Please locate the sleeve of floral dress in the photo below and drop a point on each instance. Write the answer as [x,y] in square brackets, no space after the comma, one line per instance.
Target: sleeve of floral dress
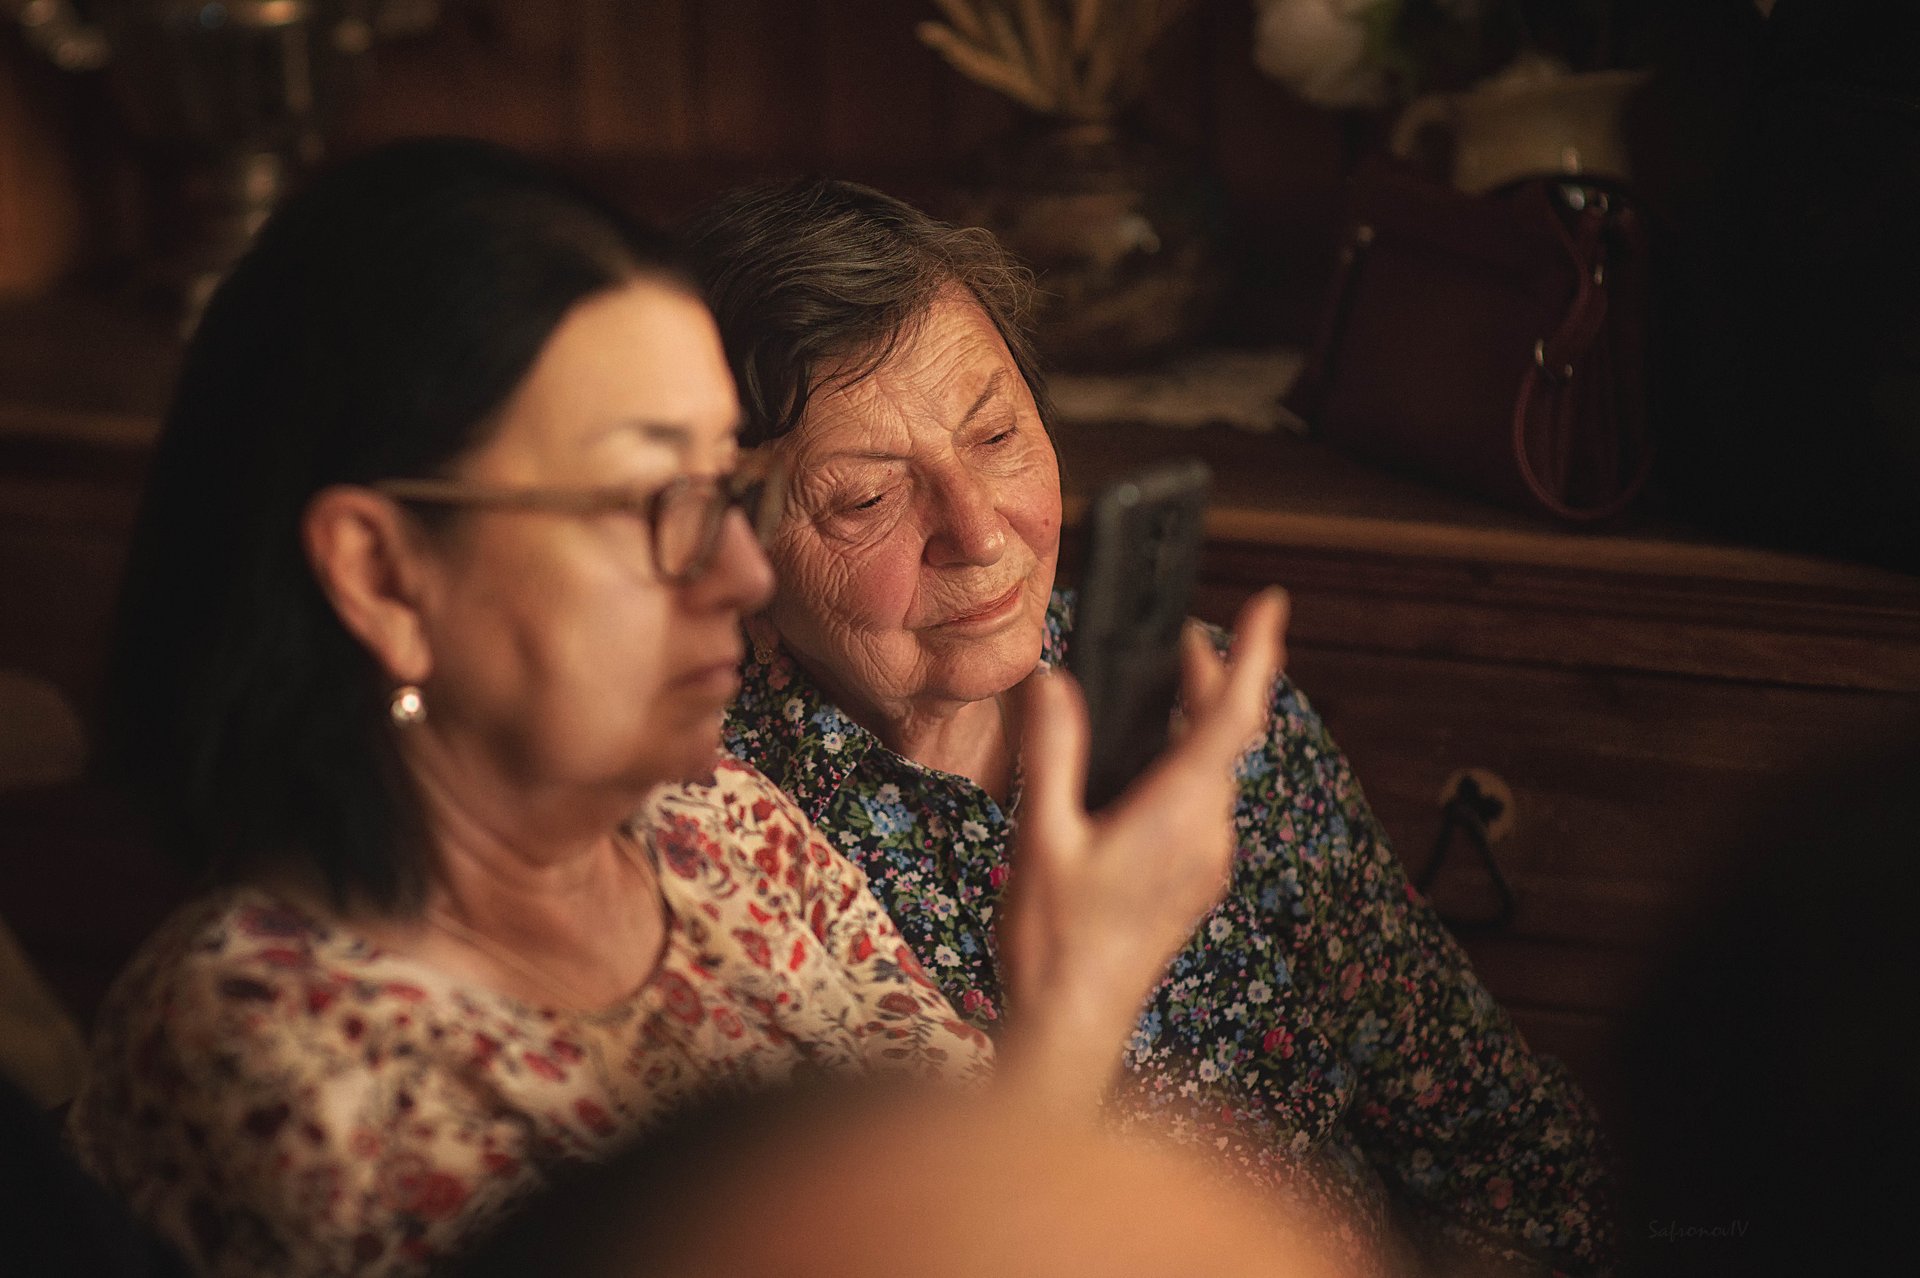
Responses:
[1496,1148]
[262,1137]
[910,1027]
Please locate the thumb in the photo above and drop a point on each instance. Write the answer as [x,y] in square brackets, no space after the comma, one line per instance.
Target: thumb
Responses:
[1053,756]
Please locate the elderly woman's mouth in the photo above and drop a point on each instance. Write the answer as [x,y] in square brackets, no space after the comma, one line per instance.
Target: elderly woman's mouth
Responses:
[994,610]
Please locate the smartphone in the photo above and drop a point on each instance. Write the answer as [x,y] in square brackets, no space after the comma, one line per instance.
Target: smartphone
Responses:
[1144,534]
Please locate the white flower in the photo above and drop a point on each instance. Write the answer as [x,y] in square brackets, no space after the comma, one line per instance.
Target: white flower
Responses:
[1219,929]
[1258,992]
[945,957]
[972,831]
[888,794]
[831,742]
[1318,48]
[1208,1071]
[793,711]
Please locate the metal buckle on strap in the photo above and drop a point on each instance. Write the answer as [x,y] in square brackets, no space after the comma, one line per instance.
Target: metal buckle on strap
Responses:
[1540,361]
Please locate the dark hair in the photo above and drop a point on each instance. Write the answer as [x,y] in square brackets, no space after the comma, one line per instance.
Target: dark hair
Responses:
[821,276]
[375,329]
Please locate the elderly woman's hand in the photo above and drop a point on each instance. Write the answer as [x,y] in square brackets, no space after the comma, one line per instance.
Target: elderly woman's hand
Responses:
[1100,902]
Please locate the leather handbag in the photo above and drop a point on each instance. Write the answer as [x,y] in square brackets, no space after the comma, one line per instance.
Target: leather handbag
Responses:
[1495,343]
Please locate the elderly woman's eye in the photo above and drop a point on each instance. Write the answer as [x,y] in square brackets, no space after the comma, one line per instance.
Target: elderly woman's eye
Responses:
[869,503]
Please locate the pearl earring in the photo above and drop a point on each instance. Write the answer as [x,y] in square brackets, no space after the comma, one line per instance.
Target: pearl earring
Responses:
[408,707]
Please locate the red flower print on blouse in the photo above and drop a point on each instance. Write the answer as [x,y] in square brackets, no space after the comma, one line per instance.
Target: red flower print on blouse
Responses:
[440,1196]
[678,844]
[417,1188]
[900,1004]
[754,946]
[911,966]
[680,997]
[543,1067]
[595,1116]
[974,1003]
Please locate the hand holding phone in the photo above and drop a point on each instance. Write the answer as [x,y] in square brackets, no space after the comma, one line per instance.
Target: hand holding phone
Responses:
[1143,553]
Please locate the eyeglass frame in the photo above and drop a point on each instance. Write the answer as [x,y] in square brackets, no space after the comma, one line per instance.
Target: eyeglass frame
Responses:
[758,469]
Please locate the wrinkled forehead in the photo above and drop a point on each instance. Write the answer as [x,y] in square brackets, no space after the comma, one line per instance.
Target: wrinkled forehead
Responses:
[945,368]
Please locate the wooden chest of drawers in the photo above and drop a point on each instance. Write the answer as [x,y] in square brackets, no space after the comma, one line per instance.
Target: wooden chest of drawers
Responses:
[1636,693]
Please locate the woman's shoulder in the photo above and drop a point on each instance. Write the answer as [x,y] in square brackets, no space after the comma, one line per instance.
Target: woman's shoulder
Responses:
[735,815]
[239,940]
[245,972]
[217,1002]
[736,838]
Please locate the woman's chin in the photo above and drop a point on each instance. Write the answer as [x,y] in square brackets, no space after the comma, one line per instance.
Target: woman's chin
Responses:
[685,753]
[989,668]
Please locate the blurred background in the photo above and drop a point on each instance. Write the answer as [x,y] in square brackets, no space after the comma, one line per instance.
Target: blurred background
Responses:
[1564,729]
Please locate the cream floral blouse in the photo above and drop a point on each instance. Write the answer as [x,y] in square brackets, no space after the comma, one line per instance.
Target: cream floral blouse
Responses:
[278,1096]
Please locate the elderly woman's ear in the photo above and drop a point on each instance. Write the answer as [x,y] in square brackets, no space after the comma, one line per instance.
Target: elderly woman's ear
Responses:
[372,565]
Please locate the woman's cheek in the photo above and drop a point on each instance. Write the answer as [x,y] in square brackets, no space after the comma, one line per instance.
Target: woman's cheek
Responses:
[871,593]
[834,585]
[1038,518]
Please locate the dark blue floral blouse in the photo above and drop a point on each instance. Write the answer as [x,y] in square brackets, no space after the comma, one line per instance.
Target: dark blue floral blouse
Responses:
[1321,1017]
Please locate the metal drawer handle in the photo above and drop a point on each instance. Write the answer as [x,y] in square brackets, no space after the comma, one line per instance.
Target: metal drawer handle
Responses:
[1479,807]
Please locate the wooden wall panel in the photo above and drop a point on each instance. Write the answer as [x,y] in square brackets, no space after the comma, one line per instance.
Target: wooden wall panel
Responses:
[757,92]
[500,69]
[39,196]
[694,94]
[638,80]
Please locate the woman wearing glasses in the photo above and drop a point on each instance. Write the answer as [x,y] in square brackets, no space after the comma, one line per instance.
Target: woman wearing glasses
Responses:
[430,621]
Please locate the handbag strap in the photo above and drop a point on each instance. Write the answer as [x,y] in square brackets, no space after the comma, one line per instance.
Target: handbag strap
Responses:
[1556,357]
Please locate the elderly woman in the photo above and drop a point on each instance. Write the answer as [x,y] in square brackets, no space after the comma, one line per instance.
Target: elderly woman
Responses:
[1321,1007]
[433,612]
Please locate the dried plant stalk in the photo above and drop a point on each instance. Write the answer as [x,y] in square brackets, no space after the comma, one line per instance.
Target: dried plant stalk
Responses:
[1043,48]
[983,68]
[961,17]
[1086,20]
[1078,58]
[1006,40]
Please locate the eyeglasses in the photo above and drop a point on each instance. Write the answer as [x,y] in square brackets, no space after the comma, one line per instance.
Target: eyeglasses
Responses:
[683,519]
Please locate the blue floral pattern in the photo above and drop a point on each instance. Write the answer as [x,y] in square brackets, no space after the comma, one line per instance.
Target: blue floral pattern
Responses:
[1321,1026]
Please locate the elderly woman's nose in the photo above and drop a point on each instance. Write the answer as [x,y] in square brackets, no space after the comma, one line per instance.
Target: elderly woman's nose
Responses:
[969,528]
